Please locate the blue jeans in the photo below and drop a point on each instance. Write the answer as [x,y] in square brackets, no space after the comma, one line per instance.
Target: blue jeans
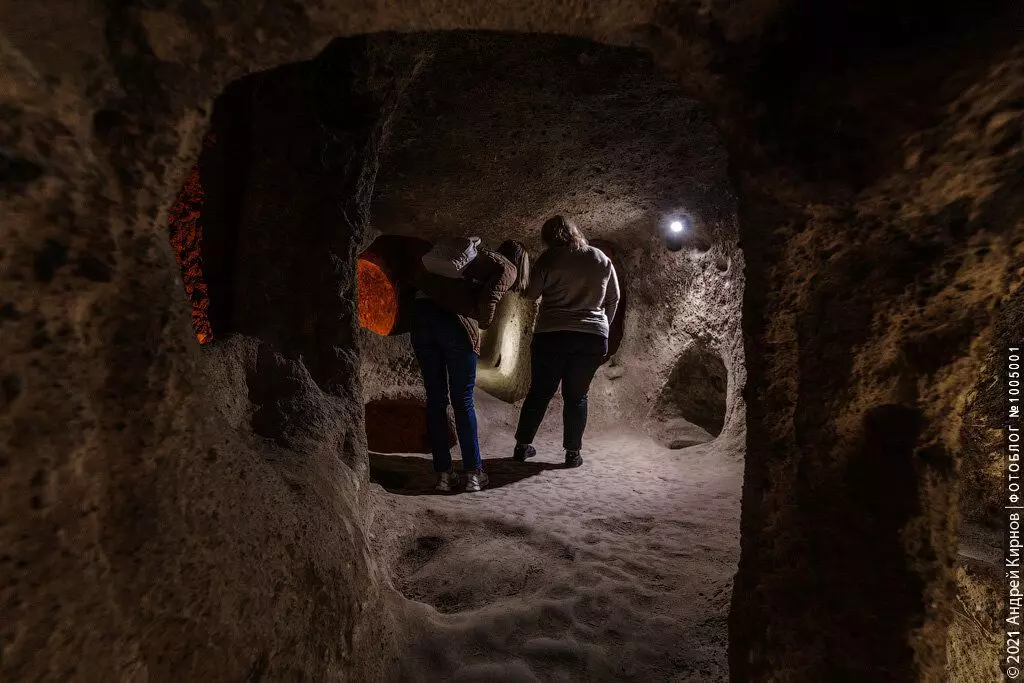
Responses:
[570,359]
[448,366]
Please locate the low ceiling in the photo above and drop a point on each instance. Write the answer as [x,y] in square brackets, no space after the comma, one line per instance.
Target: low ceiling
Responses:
[501,131]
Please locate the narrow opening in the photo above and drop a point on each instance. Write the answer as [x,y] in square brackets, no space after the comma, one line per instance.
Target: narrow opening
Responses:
[692,404]
[377,297]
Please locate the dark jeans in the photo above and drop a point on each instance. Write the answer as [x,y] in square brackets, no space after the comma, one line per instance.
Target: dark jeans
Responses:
[569,358]
[448,366]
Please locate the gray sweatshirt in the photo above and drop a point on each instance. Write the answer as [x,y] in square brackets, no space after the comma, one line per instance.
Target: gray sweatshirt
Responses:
[579,291]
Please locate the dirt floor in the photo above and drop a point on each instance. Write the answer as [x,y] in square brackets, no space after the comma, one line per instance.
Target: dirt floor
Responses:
[620,570]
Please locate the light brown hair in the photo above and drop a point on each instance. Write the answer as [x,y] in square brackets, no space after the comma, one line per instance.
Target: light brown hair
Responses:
[520,258]
[559,231]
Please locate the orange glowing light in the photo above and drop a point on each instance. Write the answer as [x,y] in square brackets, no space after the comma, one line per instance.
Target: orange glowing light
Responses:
[184,222]
[378,300]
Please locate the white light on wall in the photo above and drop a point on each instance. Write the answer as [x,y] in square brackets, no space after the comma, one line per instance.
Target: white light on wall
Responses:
[676,226]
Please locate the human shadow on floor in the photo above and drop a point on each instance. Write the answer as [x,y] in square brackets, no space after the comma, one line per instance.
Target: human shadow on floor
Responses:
[408,475]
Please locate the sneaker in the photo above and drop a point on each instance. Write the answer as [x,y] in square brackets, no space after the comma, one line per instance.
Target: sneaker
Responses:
[446,481]
[573,459]
[523,451]
[476,480]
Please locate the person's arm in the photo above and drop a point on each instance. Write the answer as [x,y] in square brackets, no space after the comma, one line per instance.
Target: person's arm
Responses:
[538,274]
[611,294]
[502,278]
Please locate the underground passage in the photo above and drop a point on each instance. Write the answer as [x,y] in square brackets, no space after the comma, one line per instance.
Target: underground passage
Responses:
[219,456]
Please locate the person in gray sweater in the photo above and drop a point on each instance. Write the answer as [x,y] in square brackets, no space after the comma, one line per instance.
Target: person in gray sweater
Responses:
[579,292]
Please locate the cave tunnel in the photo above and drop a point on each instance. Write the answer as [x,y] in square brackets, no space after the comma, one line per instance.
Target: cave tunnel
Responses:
[212,425]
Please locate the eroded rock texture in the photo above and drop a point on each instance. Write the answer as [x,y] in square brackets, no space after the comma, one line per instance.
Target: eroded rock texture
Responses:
[891,247]
[148,532]
[205,500]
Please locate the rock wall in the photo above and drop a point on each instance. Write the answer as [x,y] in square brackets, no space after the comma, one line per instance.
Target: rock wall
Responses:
[147,533]
[197,513]
[879,249]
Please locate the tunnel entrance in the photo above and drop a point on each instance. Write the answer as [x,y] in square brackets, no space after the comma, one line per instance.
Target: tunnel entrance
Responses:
[499,133]
[693,401]
[384,287]
[496,134]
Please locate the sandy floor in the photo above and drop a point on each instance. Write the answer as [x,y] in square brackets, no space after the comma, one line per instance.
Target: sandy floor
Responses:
[620,570]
